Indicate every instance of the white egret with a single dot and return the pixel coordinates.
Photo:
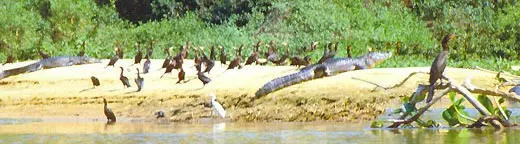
(217, 107)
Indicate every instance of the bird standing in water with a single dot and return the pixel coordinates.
(438, 65)
(217, 107)
(139, 81)
(108, 112)
(124, 79)
(139, 56)
(95, 81)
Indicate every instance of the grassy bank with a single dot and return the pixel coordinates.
(486, 30)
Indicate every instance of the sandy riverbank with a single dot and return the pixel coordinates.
(67, 92)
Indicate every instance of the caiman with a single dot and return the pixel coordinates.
(327, 68)
(48, 63)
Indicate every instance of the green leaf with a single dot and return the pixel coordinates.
(459, 102)
(484, 100)
(501, 100)
(451, 95)
(409, 108)
(449, 116)
(396, 111)
(376, 124)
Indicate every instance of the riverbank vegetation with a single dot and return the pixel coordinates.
(487, 31)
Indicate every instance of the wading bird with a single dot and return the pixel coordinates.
(217, 107)
(108, 112)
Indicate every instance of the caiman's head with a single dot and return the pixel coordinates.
(373, 58)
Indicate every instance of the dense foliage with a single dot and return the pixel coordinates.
(486, 30)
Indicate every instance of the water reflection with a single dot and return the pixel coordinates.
(220, 132)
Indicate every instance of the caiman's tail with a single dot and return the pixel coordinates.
(284, 81)
(29, 68)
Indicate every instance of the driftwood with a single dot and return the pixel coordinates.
(466, 89)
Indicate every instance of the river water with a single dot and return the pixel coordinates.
(209, 131)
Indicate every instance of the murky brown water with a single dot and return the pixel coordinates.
(30, 131)
(75, 130)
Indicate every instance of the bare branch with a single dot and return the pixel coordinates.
(494, 72)
(510, 95)
(422, 110)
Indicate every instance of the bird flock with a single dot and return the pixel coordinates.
(201, 60)
(204, 63)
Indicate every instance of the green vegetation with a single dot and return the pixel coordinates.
(487, 31)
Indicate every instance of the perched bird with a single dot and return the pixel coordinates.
(212, 54)
(234, 63)
(325, 54)
(82, 52)
(139, 81)
(313, 46)
(208, 62)
(10, 58)
(169, 68)
(159, 114)
(284, 57)
(167, 60)
(438, 65)
(204, 79)
(217, 107)
(180, 75)
(197, 57)
(298, 61)
(150, 50)
(113, 60)
(108, 112)
(139, 56)
(223, 57)
(95, 81)
(251, 59)
(42, 54)
(119, 51)
(349, 49)
(146, 65)
(254, 55)
(124, 79)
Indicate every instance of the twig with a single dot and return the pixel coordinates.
(373, 83)
(494, 72)
(472, 88)
(421, 111)
(406, 79)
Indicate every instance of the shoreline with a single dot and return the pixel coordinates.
(68, 92)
